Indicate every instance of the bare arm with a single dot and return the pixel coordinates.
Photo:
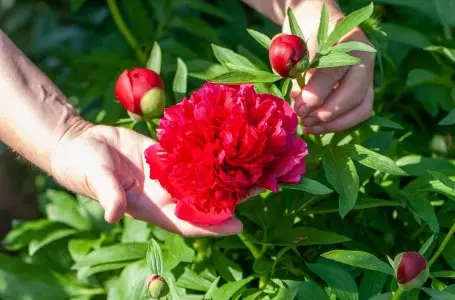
(34, 114)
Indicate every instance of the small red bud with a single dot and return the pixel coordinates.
(411, 270)
(140, 91)
(286, 50)
(156, 287)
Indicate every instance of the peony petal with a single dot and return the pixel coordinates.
(154, 161)
(124, 92)
(189, 213)
(269, 182)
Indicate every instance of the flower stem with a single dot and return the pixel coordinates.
(124, 30)
(442, 246)
(398, 294)
(253, 249)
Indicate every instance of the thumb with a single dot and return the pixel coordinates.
(109, 193)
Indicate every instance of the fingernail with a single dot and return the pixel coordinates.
(317, 129)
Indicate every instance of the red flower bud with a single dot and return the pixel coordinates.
(140, 91)
(412, 270)
(286, 50)
(156, 287)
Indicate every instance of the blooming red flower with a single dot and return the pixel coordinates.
(140, 91)
(286, 50)
(219, 144)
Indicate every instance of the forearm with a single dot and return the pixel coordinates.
(34, 114)
(275, 10)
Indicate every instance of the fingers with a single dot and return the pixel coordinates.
(318, 88)
(349, 119)
(109, 193)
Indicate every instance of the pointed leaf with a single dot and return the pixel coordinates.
(323, 30)
(423, 208)
(348, 23)
(342, 175)
(359, 259)
(228, 290)
(213, 288)
(239, 77)
(226, 267)
(352, 46)
(308, 185)
(53, 236)
(449, 119)
(426, 245)
(191, 280)
(179, 84)
(336, 59)
(155, 258)
(154, 62)
(294, 25)
(225, 55)
(309, 290)
(444, 179)
(261, 38)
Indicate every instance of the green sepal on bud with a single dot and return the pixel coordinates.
(157, 287)
(300, 67)
(411, 269)
(152, 103)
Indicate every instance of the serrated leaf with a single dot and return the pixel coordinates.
(338, 279)
(323, 30)
(226, 291)
(348, 23)
(351, 46)
(239, 77)
(449, 119)
(342, 175)
(212, 289)
(336, 59)
(294, 24)
(155, 258)
(180, 79)
(373, 159)
(225, 55)
(261, 38)
(308, 185)
(359, 259)
(154, 61)
(444, 179)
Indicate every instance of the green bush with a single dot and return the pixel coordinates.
(384, 187)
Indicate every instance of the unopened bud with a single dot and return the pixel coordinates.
(157, 287)
(411, 269)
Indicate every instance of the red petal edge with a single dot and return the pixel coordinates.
(189, 213)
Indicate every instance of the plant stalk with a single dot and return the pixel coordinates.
(442, 246)
(124, 30)
(253, 249)
(398, 294)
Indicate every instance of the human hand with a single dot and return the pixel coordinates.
(107, 164)
(333, 99)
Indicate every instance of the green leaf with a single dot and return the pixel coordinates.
(226, 291)
(371, 284)
(383, 122)
(338, 279)
(308, 185)
(413, 38)
(155, 258)
(288, 290)
(351, 46)
(449, 119)
(261, 38)
(226, 267)
(423, 250)
(115, 253)
(423, 209)
(323, 30)
(372, 159)
(309, 290)
(196, 25)
(134, 231)
(438, 295)
(86, 272)
(444, 179)
(209, 9)
(348, 23)
(225, 55)
(361, 204)
(359, 259)
(294, 24)
(23, 234)
(204, 70)
(213, 288)
(53, 236)
(239, 77)
(336, 59)
(443, 274)
(80, 247)
(179, 84)
(193, 281)
(132, 282)
(154, 62)
(141, 23)
(449, 53)
(285, 88)
(384, 296)
(178, 249)
(310, 236)
(342, 175)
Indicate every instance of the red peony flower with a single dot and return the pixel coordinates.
(219, 144)
(286, 50)
(140, 91)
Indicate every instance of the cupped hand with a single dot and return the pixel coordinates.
(333, 99)
(107, 164)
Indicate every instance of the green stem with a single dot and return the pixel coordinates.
(124, 30)
(442, 246)
(253, 249)
(398, 294)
